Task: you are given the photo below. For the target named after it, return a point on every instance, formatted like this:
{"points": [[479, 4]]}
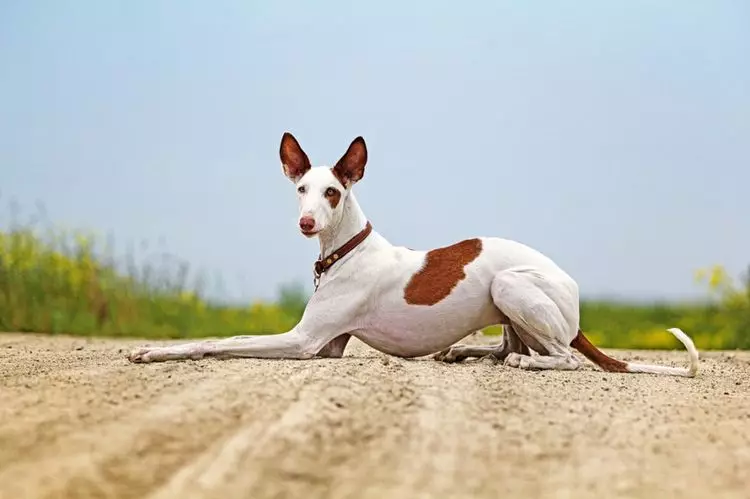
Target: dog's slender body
{"points": [[412, 303]]}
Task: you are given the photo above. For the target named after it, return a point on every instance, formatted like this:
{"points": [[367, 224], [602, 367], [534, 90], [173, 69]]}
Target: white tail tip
{"points": [[688, 372]]}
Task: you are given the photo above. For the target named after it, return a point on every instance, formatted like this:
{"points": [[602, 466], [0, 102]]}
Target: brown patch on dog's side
{"points": [[442, 271], [604, 361], [333, 196]]}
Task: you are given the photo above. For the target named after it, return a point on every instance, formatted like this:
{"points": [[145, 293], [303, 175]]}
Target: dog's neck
{"points": [[351, 222]]}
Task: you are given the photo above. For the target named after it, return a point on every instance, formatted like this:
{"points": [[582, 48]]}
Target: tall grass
{"points": [[70, 283], [61, 284]]}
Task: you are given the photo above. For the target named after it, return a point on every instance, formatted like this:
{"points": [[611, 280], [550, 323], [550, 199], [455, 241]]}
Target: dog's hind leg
{"points": [[511, 343], [534, 304]]}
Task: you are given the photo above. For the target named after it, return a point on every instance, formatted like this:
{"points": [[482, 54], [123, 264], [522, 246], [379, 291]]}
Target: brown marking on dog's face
{"points": [[442, 271], [351, 167], [333, 196], [294, 161]]}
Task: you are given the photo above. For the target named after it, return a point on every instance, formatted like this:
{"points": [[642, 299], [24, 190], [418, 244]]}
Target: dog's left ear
{"points": [[294, 161], [351, 167]]}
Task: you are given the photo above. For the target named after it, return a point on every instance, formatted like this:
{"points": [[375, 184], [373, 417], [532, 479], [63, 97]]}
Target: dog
{"points": [[410, 303]]}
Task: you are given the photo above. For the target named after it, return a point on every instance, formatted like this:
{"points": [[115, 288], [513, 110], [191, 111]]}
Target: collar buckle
{"points": [[323, 264]]}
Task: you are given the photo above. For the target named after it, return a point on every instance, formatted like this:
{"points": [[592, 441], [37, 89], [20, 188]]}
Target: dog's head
{"points": [[322, 191]]}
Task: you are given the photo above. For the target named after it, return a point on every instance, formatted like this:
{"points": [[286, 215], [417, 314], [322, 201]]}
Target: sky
{"points": [[612, 136]]}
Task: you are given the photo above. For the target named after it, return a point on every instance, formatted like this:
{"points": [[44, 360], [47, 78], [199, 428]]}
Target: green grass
{"points": [[69, 283], [62, 284]]}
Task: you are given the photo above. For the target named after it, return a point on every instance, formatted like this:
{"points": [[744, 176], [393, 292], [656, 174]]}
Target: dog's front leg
{"points": [[294, 344], [320, 324]]}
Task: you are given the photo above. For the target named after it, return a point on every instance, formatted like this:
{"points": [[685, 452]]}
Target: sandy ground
{"points": [[77, 420]]}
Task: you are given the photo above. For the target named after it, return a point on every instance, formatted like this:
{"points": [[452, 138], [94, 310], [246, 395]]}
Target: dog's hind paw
{"points": [[513, 359], [447, 355]]}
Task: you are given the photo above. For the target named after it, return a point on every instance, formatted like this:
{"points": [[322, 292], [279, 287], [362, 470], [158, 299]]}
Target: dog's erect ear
{"points": [[351, 167], [294, 161]]}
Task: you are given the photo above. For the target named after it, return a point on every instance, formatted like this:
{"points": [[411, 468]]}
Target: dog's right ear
{"points": [[294, 161], [351, 167]]}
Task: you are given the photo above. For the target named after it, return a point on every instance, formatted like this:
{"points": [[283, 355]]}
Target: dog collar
{"points": [[323, 264]]}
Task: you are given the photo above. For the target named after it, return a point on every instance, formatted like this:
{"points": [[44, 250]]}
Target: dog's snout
{"points": [[307, 224]]}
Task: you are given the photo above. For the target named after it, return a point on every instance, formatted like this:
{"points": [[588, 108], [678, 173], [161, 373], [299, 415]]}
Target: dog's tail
{"points": [[607, 363]]}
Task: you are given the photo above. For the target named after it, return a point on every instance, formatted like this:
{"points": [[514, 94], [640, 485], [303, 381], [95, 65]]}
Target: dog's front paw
{"points": [[191, 351], [144, 355]]}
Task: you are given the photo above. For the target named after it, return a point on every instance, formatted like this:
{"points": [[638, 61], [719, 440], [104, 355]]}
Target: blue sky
{"points": [[612, 136]]}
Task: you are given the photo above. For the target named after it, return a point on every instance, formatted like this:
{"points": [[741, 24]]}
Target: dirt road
{"points": [[77, 420]]}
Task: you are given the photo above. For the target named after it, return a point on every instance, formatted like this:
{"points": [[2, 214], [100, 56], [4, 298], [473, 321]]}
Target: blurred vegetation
{"points": [[62, 284], [69, 283]]}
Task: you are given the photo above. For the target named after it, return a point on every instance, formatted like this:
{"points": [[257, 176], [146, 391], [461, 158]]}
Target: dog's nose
{"points": [[307, 224]]}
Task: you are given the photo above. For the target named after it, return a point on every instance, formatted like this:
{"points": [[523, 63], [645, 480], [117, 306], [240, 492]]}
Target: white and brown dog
{"points": [[411, 303]]}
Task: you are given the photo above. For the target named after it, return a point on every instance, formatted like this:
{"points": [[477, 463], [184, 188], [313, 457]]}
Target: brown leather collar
{"points": [[323, 264]]}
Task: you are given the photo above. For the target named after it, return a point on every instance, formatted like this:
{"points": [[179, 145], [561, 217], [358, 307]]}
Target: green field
{"points": [[70, 283]]}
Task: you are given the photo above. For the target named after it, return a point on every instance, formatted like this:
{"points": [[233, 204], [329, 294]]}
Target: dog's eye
{"points": [[330, 192], [301, 189]]}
